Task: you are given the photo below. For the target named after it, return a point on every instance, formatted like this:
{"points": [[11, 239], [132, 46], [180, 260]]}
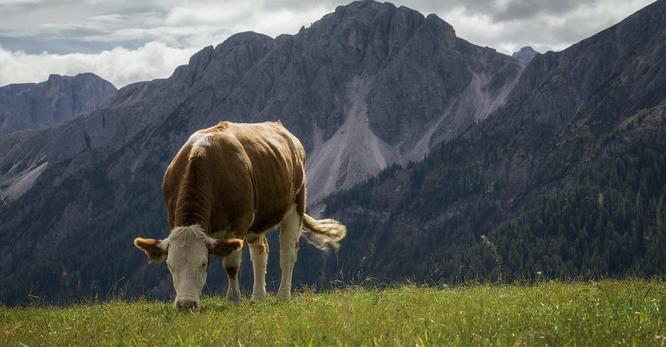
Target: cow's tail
{"points": [[324, 233]]}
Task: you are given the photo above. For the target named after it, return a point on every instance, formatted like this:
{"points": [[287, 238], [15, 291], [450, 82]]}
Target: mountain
{"points": [[566, 180], [525, 55], [41, 105], [368, 86]]}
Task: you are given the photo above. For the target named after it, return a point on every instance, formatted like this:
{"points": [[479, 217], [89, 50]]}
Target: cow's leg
{"points": [[232, 267], [259, 256], [290, 231]]}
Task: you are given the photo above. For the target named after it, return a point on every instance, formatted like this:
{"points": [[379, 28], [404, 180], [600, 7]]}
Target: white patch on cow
{"points": [[198, 140], [259, 256], [188, 263], [164, 246], [233, 261], [290, 231]]}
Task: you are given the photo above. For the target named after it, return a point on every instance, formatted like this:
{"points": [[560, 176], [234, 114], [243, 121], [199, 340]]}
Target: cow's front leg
{"points": [[259, 256], [232, 267], [290, 231]]}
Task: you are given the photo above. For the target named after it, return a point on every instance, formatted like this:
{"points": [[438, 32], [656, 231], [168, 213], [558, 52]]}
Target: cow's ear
{"points": [[156, 250], [223, 248]]}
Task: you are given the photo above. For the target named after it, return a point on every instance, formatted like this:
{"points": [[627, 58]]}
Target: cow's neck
{"points": [[188, 218], [195, 199], [193, 209]]}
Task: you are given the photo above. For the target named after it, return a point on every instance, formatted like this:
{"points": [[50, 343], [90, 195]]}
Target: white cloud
{"points": [[282, 21], [18, 2], [119, 65], [172, 36], [208, 13], [507, 25], [166, 32]]}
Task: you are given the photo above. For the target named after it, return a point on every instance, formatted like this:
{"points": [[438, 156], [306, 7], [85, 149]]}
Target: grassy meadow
{"points": [[627, 312]]}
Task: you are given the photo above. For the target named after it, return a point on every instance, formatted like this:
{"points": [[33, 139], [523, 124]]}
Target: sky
{"points": [[126, 41]]}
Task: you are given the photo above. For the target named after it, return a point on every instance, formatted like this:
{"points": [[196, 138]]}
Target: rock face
{"points": [[561, 159], [404, 84], [41, 105], [525, 55], [365, 87], [566, 179]]}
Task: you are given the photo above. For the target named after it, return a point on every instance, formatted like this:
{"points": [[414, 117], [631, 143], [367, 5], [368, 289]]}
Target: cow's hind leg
{"points": [[290, 231], [232, 267], [259, 256]]}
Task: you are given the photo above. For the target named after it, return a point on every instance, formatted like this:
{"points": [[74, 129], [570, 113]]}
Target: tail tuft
{"points": [[323, 234]]}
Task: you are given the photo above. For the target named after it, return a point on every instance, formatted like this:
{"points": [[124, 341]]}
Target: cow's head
{"points": [[186, 252]]}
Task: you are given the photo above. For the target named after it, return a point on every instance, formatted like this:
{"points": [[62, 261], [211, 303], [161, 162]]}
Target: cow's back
{"points": [[276, 164], [251, 173]]}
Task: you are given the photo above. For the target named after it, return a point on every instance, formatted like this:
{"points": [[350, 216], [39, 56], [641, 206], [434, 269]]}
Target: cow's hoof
{"points": [[234, 299], [259, 296], [184, 305], [284, 296]]}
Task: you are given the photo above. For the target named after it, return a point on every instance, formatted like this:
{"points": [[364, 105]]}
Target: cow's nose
{"points": [[186, 304]]}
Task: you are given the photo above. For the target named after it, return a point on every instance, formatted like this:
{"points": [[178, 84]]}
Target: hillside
{"points": [[566, 179], [366, 86], [525, 54], [41, 105], [588, 314], [559, 164]]}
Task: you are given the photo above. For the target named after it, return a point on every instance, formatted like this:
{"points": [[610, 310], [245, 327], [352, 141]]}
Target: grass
{"points": [[628, 312]]}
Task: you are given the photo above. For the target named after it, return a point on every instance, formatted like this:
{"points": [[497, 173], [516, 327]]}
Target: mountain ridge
{"points": [[362, 76], [565, 178], [105, 169], [39, 105], [525, 54]]}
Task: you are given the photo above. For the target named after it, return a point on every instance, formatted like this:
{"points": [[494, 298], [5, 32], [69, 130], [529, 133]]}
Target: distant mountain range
{"points": [[525, 54], [466, 141], [566, 179], [41, 105]]}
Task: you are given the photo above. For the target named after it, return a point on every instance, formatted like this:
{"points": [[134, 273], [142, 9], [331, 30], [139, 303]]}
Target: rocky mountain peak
{"points": [[365, 87], [369, 74], [245, 46], [384, 14], [54, 78], [574, 119], [525, 54], [244, 37], [38, 105]]}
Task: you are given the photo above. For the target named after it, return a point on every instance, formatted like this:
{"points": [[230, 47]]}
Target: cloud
{"points": [[14, 3], [120, 66], [100, 26], [544, 24], [74, 35], [126, 46], [208, 13]]}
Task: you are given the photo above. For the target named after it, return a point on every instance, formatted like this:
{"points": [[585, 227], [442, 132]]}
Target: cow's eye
{"points": [[204, 264]]}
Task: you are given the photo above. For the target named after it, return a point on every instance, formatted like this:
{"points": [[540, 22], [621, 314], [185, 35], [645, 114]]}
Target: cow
{"points": [[230, 184]]}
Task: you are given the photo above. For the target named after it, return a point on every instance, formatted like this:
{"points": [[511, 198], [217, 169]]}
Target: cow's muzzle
{"points": [[186, 304]]}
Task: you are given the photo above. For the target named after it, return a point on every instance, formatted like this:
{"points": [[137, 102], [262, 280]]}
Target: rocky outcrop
{"points": [[525, 55], [559, 178], [41, 105], [365, 87]]}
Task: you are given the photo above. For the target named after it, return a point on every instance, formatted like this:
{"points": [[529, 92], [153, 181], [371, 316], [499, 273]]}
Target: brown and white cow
{"points": [[229, 183]]}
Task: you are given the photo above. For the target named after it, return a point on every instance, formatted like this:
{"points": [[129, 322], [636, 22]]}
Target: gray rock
{"points": [[41, 105], [365, 87], [572, 115], [525, 54]]}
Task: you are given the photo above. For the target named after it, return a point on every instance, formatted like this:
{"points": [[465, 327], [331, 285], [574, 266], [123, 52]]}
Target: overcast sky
{"points": [[126, 41]]}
